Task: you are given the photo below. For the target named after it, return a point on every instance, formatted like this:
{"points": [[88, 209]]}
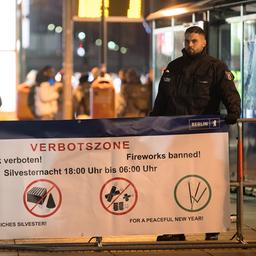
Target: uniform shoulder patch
{"points": [[229, 76]]}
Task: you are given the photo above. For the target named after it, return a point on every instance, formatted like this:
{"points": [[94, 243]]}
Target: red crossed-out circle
{"points": [[53, 187], [129, 184]]}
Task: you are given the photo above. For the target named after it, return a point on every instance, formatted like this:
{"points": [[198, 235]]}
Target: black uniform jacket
{"points": [[195, 85]]}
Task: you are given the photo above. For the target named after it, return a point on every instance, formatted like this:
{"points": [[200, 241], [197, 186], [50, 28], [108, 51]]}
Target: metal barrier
{"points": [[98, 245], [240, 178]]}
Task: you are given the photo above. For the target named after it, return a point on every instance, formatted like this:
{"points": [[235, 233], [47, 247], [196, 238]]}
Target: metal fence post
{"points": [[239, 223]]}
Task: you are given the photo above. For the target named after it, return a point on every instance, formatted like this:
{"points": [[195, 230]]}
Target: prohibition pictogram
{"points": [[118, 196], [42, 198], [192, 193]]}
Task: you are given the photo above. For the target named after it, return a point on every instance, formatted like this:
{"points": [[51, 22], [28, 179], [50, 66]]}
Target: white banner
{"points": [[134, 185]]}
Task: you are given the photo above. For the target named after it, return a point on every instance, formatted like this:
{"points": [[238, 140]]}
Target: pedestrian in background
{"points": [[196, 84], [136, 96], [94, 74], [149, 88], [46, 94], [122, 75], [23, 109], [81, 97]]}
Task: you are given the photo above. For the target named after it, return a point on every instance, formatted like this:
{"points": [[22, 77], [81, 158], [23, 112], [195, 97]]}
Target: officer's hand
{"points": [[231, 119]]}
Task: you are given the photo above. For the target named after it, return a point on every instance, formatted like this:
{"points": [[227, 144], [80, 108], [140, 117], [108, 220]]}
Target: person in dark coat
{"points": [[196, 84], [81, 97]]}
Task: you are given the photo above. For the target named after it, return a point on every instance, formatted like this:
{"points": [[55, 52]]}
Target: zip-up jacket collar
{"points": [[194, 57]]}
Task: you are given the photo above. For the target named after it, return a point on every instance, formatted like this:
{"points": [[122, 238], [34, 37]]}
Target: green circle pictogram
{"points": [[192, 193]]}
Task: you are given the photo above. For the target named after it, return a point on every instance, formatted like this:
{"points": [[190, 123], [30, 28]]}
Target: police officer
{"points": [[195, 84]]}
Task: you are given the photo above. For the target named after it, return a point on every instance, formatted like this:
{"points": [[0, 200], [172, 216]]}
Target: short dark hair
{"points": [[195, 29], [42, 76], [83, 78]]}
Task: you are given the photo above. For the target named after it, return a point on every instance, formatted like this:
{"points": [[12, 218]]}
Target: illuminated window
{"points": [[127, 8], [134, 10], [92, 9], [8, 55]]}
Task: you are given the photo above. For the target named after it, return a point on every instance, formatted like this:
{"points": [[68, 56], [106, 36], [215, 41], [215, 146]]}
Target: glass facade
{"points": [[122, 49], [250, 68], [162, 54], [249, 92], [231, 33], [167, 45], [41, 35], [42, 44], [230, 38], [8, 55]]}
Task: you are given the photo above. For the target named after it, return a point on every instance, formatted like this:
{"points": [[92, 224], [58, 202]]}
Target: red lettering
{"points": [[126, 144], [89, 146], [51, 147], [61, 146], [106, 145], [116, 144], [42, 146], [71, 146], [80, 144], [34, 147], [97, 146]]}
